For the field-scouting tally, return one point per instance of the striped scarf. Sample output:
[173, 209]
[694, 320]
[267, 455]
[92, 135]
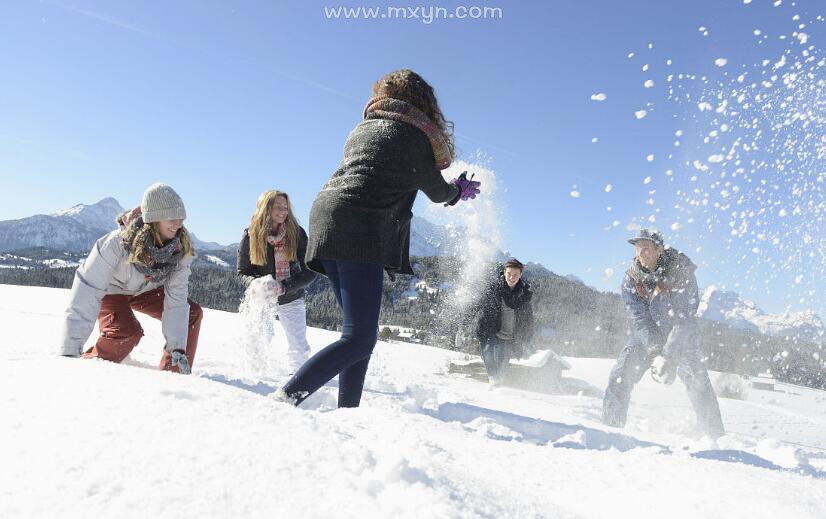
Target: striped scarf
[383, 107]
[278, 243]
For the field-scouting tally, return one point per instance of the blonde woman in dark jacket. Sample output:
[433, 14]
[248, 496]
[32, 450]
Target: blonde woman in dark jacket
[271, 255]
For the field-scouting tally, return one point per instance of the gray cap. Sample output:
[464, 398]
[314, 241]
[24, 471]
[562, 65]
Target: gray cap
[648, 235]
[161, 202]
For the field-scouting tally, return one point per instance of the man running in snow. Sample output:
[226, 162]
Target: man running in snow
[660, 293]
[504, 322]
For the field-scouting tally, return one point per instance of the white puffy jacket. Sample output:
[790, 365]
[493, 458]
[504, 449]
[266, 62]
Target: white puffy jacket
[107, 271]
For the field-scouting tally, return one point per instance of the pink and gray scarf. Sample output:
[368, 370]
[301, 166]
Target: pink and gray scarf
[384, 107]
[278, 243]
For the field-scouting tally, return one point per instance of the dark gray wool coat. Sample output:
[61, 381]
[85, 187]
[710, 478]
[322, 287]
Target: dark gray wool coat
[363, 213]
[300, 275]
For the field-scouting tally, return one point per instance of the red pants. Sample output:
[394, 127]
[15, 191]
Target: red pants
[120, 331]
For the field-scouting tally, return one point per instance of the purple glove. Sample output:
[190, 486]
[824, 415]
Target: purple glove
[468, 188]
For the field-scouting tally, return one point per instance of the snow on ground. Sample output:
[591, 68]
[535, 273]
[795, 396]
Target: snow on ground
[84, 437]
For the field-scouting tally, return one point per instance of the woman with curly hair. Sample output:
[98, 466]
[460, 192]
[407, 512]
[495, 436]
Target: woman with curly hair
[143, 266]
[360, 221]
[271, 256]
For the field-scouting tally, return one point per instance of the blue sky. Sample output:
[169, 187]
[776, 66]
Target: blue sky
[226, 99]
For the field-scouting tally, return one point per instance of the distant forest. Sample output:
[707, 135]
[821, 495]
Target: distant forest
[571, 318]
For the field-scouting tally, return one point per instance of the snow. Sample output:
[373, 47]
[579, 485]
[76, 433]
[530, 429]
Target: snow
[216, 260]
[599, 97]
[720, 62]
[87, 437]
[59, 263]
[639, 114]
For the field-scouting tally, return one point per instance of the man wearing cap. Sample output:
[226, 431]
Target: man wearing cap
[660, 292]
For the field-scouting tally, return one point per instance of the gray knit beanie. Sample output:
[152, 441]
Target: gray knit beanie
[161, 202]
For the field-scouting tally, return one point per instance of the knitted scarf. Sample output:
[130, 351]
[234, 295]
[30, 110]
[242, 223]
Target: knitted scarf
[672, 268]
[278, 244]
[384, 107]
[156, 262]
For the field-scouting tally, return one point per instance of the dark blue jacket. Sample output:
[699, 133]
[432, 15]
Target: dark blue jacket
[660, 321]
[300, 275]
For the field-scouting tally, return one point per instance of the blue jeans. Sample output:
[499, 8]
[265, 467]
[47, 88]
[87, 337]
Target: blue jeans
[496, 354]
[635, 360]
[358, 288]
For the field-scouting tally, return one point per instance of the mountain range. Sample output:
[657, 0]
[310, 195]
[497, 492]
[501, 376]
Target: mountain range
[72, 231]
[728, 307]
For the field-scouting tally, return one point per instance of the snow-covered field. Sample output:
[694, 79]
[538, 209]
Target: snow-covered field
[91, 438]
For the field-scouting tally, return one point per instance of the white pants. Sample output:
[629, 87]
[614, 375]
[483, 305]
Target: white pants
[293, 319]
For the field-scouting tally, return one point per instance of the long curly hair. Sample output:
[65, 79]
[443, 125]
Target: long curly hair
[138, 235]
[406, 85]
[261, 226]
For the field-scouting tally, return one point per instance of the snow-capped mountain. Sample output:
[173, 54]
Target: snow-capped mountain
[728, 307]
[74, 229]
[99, 216]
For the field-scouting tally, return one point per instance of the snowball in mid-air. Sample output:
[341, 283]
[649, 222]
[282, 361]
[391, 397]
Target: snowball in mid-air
[648, 83]
[599, 97]
[608, 188]
[720, 62]
[639, 114]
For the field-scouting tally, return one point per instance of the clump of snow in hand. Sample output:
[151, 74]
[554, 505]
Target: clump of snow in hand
[480, 222]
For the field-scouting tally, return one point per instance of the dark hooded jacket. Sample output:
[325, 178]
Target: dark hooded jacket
[487, 320]
[300, 275]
